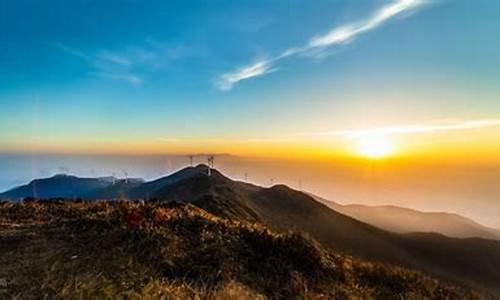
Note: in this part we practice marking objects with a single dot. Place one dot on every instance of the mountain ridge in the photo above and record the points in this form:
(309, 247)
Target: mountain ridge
(406, 220)
(473, 262)
(70, 186)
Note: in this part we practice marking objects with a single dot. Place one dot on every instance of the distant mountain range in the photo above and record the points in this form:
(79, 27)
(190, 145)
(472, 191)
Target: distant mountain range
(68, 186)
(405, 220)
(472, 261)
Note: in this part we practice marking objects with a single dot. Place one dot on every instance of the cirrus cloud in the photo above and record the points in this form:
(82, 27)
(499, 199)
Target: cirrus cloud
(228, 80)
(428, 127)
(334, 37)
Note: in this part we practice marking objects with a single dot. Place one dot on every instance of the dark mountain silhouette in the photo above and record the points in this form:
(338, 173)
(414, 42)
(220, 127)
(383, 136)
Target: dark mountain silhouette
(119, 188)
(405, 220)
(474, 261)
(68, 186)
(149, 189)
(215, 193)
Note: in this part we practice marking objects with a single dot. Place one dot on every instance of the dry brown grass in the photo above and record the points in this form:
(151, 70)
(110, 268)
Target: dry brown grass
(87, 250)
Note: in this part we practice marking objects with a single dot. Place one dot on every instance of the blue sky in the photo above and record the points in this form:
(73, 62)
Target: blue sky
(104, 70)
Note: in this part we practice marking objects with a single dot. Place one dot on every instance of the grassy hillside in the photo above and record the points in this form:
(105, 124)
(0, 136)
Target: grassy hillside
(474, 262)
(66, 249)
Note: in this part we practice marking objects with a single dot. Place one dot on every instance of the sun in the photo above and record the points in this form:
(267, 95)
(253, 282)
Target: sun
(374, 146)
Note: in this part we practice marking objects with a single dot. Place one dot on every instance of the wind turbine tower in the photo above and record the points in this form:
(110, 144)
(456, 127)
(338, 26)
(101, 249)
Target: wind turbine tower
(210, 164)
(126, 175)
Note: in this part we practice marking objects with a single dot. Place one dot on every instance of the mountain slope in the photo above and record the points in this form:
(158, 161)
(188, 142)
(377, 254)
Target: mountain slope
(405, 220)
(475, 262)
(471, 261)
(216, 193)
(67, 186)
(125, 250)
(149, 189)
(119, 188)
(57, 186)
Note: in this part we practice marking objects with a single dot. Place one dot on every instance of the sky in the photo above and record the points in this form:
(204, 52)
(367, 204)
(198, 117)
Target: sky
(249, 77)
(374, 102)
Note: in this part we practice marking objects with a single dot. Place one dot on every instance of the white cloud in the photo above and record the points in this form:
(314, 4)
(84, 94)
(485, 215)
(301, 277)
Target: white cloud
(348, 32)
(228, 80)
(335, 36)
(428, 127)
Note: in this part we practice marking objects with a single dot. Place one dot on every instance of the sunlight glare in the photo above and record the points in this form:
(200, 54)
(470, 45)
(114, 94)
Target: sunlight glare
(375, 146)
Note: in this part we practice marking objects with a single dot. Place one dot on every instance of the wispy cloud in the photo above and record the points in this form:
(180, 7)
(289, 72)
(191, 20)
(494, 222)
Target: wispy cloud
(127, 77)
(114, 58)
(334, 37)
(106, 64)
(168, 140)
(348, 32)
(74, 52)
(428, 127)
(265, 140)
(129, 64)
(228, 80)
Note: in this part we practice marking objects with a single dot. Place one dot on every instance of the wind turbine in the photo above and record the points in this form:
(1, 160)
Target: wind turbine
(64, 170)
(126, 176)
(210, 164)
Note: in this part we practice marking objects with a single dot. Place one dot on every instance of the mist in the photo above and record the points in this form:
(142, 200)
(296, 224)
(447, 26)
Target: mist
(470, 190)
